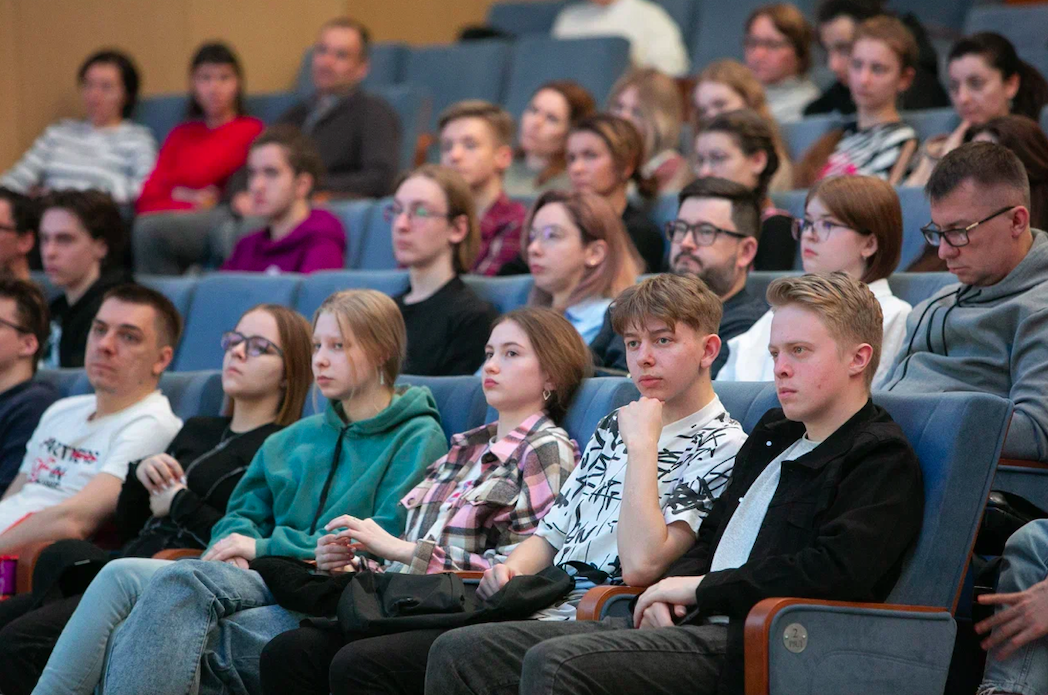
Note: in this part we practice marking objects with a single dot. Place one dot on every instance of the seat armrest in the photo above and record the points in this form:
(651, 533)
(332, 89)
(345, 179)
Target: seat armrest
(469, 574)
(177, 553)
(596, 601)
(790, 641)
(1022, 463)
(27, 557)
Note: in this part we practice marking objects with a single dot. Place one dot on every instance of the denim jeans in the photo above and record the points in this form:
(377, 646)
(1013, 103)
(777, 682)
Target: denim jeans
(575, 658)
(1025, 563)
(197, 625)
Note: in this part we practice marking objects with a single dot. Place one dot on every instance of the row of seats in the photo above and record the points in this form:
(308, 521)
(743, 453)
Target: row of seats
(211, 304)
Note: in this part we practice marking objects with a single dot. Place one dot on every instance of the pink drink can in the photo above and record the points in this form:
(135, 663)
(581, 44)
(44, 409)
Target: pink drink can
(8, 565)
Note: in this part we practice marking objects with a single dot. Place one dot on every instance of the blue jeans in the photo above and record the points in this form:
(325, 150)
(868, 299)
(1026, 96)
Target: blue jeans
(197, 624)
(1025, 564)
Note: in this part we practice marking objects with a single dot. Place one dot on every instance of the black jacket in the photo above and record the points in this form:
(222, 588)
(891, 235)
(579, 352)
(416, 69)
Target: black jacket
(838, 526)
(71, 324)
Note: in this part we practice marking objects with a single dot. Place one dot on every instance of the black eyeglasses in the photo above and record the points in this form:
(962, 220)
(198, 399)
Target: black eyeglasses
(255, 344)
(704, 233)
(14, 326)
(820, 229)
(955, 237)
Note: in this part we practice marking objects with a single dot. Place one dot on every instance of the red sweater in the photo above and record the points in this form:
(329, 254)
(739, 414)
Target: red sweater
(196, 156)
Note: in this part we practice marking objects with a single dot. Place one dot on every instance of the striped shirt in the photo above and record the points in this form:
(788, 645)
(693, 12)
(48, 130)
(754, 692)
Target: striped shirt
(870, 152)
(75, 154)
(477, 503)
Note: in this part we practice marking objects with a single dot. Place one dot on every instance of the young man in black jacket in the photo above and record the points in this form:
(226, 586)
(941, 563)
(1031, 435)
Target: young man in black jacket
(825, 499)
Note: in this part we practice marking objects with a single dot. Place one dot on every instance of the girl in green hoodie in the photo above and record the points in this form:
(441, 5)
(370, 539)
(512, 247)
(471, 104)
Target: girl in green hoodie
(360, 457)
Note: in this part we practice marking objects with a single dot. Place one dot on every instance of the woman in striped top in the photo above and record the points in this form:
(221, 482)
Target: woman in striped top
(106, 151)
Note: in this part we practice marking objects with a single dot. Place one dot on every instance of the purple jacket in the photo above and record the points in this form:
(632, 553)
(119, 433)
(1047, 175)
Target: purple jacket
(319, 243)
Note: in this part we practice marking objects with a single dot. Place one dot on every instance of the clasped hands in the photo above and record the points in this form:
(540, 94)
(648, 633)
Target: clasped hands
(337, 552)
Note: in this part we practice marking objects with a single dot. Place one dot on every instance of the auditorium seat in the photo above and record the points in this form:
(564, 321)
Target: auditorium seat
(69, 382)
(1026, 26)
(316, 287)
(595, 63)
(519, 18)
(931, 122)
(801, 135)
(916, 287)
(452, 73)
(215, 307)
(936, 15)
(161, 113)
(504, 293)
(460, 400)
(270, 107)
(594, 400)
(190, 393)
(916, 212)
(179, 289)
(411, 102)
(355, 215)
(746, 401)
(376, 249)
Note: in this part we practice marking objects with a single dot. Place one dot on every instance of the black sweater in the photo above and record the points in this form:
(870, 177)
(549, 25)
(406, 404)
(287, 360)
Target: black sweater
(71, 324)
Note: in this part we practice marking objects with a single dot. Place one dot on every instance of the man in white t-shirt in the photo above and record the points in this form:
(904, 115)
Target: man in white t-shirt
(655, 39)
(78, 455)
(653, 468)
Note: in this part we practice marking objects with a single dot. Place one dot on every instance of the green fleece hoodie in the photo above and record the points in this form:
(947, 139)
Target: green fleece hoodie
(320, 468)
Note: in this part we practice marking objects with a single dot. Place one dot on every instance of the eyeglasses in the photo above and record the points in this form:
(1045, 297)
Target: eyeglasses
(819, 229)
(255, 344)
(704, 233)
(547, 234)
(752, 43)
(416, 213)
(13, 326)
(955, 237)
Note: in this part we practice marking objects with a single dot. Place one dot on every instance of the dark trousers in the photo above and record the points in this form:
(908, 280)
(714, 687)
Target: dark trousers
(26, 641)
(309, 660)
(576, 658)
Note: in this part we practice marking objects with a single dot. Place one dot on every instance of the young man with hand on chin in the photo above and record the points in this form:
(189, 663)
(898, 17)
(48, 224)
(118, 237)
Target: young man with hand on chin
(824, 500)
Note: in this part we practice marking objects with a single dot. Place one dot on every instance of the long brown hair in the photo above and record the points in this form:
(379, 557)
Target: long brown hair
(561, 352)
(580, 105)
(460, 204)
(752, 133)
(596, 220)
(626, 145)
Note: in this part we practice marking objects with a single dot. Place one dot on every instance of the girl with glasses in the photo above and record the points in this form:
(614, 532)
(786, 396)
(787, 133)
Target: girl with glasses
(580, 256)
(173, 499)
(852, 224)
(436, 235)
(778, 51)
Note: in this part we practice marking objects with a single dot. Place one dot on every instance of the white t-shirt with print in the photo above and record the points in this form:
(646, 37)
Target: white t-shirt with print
(695, 460)
(68, 449)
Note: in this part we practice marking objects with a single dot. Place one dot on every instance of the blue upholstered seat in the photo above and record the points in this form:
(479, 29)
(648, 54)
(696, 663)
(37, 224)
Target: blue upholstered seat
(190, 393)
(504, 293)
(355, 216)
(411, 103)
(179, 289)
(161, 113)
(270, 107)
(460, 400)
(316, 287)
(519, 18)
(376, 249)
(470, 70)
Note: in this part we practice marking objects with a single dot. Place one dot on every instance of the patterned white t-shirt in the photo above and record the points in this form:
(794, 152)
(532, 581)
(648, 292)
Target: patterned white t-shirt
(695, 460)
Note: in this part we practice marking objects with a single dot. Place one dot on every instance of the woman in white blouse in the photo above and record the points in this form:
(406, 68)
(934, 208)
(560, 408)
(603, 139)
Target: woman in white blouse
(851, 224)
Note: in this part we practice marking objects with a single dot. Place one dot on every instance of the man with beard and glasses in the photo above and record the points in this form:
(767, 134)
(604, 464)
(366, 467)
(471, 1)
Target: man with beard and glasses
(714, 237)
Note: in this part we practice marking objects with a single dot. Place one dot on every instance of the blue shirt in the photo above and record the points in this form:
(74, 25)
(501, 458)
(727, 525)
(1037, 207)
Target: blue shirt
(20, 409)
(588, 316)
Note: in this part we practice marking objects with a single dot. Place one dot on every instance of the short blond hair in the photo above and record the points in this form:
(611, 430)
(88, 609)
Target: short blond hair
(846, 306)
(495, 117)
(376, 324)
(669, 298)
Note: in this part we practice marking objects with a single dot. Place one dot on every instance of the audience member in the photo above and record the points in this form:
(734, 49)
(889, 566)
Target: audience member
(714, 237)
(877, 143)
(986, 334)
(171, 500)
(727, 85)
(24, 327)
(824, 502)
(580, 256)
(360, 457)
(987, 80)
(836, 22)
(19, 225)
(476, 139)
(605, 154)
(284, 169)
(778, 50)
(81, 243)
(740, 146)
(1024, 137)
(357, 133)
(554, 109)
(651, 101)
(80, 451)
(106, 151)
(436, 236)
(655, 39)
(475, 506)
(852, 224)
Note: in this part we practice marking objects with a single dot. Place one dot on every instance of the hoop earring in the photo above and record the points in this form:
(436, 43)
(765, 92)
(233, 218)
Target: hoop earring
(546, 393)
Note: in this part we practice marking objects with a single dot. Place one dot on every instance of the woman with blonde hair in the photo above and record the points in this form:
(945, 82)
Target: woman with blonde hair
(436, 235)
(651, 101)
(727, 85)
(580, 256)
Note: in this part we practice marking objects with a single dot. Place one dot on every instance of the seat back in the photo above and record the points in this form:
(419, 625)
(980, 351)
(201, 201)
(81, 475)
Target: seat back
(595, 63)
(916, 287)
(178, 289)
(193, 393)
(215, 307)
(316, 287)
(746, 401)
(270, 107)
(1024, 25)
(934, 14)
(519, 18)
(931, 122)
(595, 399)
(685, 14)
(40, 278)
(412, 104)
(460, 400)
(758, 280)
(354, 215)
(452, 73)
(916, 212)
(161, 113)
(376, 248)
(69, 382)
(801, 135)
(505, 293)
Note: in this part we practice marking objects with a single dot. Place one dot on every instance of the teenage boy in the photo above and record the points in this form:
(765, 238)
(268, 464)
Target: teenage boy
(824, 501)
(476, 139)
(79, 454)
(81, 245)
(24, 327)
(18, 225)
(646, 481)
(283, 169)
(715, 237)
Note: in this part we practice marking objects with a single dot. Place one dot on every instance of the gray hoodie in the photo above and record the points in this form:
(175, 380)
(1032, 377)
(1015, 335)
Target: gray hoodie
(989, 339)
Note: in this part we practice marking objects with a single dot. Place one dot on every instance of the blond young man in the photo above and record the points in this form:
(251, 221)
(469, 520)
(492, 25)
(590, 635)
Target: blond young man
(824, 500)
(476, 140)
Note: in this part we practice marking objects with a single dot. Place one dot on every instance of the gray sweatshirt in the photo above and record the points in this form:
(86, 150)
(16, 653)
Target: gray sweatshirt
(988, 339)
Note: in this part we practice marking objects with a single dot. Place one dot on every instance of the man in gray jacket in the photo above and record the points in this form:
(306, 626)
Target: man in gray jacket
(987, 334)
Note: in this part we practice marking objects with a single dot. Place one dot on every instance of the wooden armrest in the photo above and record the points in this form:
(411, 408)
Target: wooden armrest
(592, 603)
(463, 574)
(758, 632)
(27, 557)
(1022, 463)
(177, 553)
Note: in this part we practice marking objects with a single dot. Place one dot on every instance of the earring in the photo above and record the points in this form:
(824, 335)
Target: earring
(546, 393)
(381, 379)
